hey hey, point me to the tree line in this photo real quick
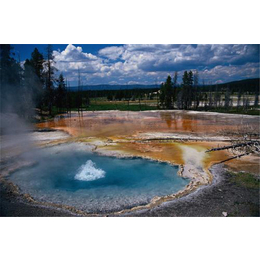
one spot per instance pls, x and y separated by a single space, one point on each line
32 84
35 84
192 95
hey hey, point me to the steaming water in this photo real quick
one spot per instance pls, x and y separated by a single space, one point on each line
89 172
71 174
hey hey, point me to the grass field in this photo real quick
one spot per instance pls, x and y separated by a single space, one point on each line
101 104
98 105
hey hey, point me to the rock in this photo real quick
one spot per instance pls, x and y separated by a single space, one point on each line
224 213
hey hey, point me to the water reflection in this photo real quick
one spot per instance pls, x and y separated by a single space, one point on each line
111 123
167 117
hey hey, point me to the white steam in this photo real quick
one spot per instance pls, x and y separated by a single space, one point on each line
89 172
192 156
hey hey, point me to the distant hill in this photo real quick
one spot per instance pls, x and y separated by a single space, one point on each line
246 85
113 87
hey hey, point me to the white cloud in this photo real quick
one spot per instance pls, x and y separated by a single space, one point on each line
112 53
229 73
150 63
73 59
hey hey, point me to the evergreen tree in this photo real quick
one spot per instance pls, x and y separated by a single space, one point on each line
245 102
256 96
167 93
33 79
110 96
190 77
196 90
61 93
175 79
49 78
187 83
210 98
37 62
180 99
217 97
227 98
29 82
10 81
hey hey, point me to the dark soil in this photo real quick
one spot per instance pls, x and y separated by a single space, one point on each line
228 193
13 205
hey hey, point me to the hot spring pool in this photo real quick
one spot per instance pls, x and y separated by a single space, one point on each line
70 174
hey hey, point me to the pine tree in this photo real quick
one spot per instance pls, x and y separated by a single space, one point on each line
49 78
166 93
217 97
37 61
190 89
210 98
187 83
196 90
175 79
227 98
29 82
256 96
10 81
34 77
61 93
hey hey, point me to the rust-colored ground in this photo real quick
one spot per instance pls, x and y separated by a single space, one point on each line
125 126
117 123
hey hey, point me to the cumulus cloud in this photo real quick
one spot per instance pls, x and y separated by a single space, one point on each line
146 63
72 59
72 53
112 53
218 73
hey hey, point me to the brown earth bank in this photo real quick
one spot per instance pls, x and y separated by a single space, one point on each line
225 195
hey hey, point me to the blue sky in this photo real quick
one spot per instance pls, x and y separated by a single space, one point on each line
25 50
149 63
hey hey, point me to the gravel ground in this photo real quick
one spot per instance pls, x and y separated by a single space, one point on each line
12 205
223 195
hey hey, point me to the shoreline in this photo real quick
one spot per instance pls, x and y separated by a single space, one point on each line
222 195
191 159
14 189
199 179
189 170
222 198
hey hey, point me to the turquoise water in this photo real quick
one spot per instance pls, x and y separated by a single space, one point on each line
70 174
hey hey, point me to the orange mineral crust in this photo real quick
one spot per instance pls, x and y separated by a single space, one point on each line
128 130
117 123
